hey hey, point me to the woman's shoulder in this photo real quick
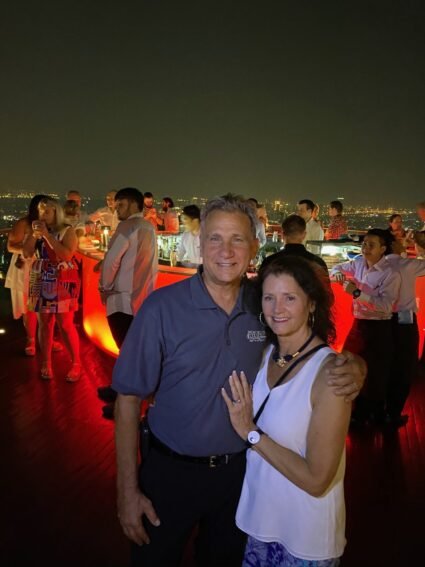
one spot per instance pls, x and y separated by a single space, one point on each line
64 229
320 385
22 224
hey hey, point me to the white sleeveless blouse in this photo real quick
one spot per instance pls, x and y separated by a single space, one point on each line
273 509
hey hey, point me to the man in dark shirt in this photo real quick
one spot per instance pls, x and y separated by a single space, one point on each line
294 231
183 344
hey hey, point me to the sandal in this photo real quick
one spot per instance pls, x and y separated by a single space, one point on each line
30 348
46 371
75 373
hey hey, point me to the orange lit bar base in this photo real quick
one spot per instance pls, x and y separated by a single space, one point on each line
96 324
94 313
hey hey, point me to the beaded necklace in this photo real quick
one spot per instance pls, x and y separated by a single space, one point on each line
282 360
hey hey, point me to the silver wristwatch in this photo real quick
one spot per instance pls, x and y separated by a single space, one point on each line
253 437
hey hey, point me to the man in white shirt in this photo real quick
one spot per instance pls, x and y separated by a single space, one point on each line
314 231
375 287
107 216
260 225
189 249
128 271
405 333
129 268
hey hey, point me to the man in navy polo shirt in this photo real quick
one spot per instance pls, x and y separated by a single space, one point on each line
184 343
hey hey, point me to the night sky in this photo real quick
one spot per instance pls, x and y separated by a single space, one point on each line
273 99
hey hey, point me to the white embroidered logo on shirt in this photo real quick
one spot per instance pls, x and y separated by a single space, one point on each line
256 336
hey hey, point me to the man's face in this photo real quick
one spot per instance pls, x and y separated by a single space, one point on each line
187 222
372 249
332 212
304 212
164 206
227 247
110 199
148 202
74 197
124 208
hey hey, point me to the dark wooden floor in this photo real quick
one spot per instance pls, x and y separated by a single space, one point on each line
57 470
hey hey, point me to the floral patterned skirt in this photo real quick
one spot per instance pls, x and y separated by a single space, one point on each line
262 554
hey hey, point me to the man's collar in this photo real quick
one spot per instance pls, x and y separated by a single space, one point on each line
380 265
201 296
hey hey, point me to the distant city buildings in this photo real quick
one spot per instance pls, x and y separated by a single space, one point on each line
13 205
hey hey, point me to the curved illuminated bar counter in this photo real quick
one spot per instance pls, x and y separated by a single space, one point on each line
94 313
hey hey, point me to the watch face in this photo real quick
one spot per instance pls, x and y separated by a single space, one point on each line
253 437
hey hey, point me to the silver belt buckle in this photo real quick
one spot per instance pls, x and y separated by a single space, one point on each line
213 462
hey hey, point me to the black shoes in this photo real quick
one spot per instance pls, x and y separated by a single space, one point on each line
107 394
108 411
397 420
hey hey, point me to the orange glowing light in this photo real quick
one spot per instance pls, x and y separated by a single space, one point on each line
97 328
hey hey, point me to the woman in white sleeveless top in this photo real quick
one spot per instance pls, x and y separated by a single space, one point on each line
17 277
292 501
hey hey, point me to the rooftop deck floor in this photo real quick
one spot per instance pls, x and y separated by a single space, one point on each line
58 468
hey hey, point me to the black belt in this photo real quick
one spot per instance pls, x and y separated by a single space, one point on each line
212 461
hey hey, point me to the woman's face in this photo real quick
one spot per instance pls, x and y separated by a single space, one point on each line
285 306
47 213
396 224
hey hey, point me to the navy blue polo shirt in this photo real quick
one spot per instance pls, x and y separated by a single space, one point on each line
183 347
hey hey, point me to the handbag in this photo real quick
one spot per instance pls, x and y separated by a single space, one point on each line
19 262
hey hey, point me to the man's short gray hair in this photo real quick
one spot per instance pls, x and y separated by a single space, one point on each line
231 203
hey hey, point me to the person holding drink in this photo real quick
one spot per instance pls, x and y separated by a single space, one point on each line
54 283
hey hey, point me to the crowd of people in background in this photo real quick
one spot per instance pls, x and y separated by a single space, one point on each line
184 222
292 479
